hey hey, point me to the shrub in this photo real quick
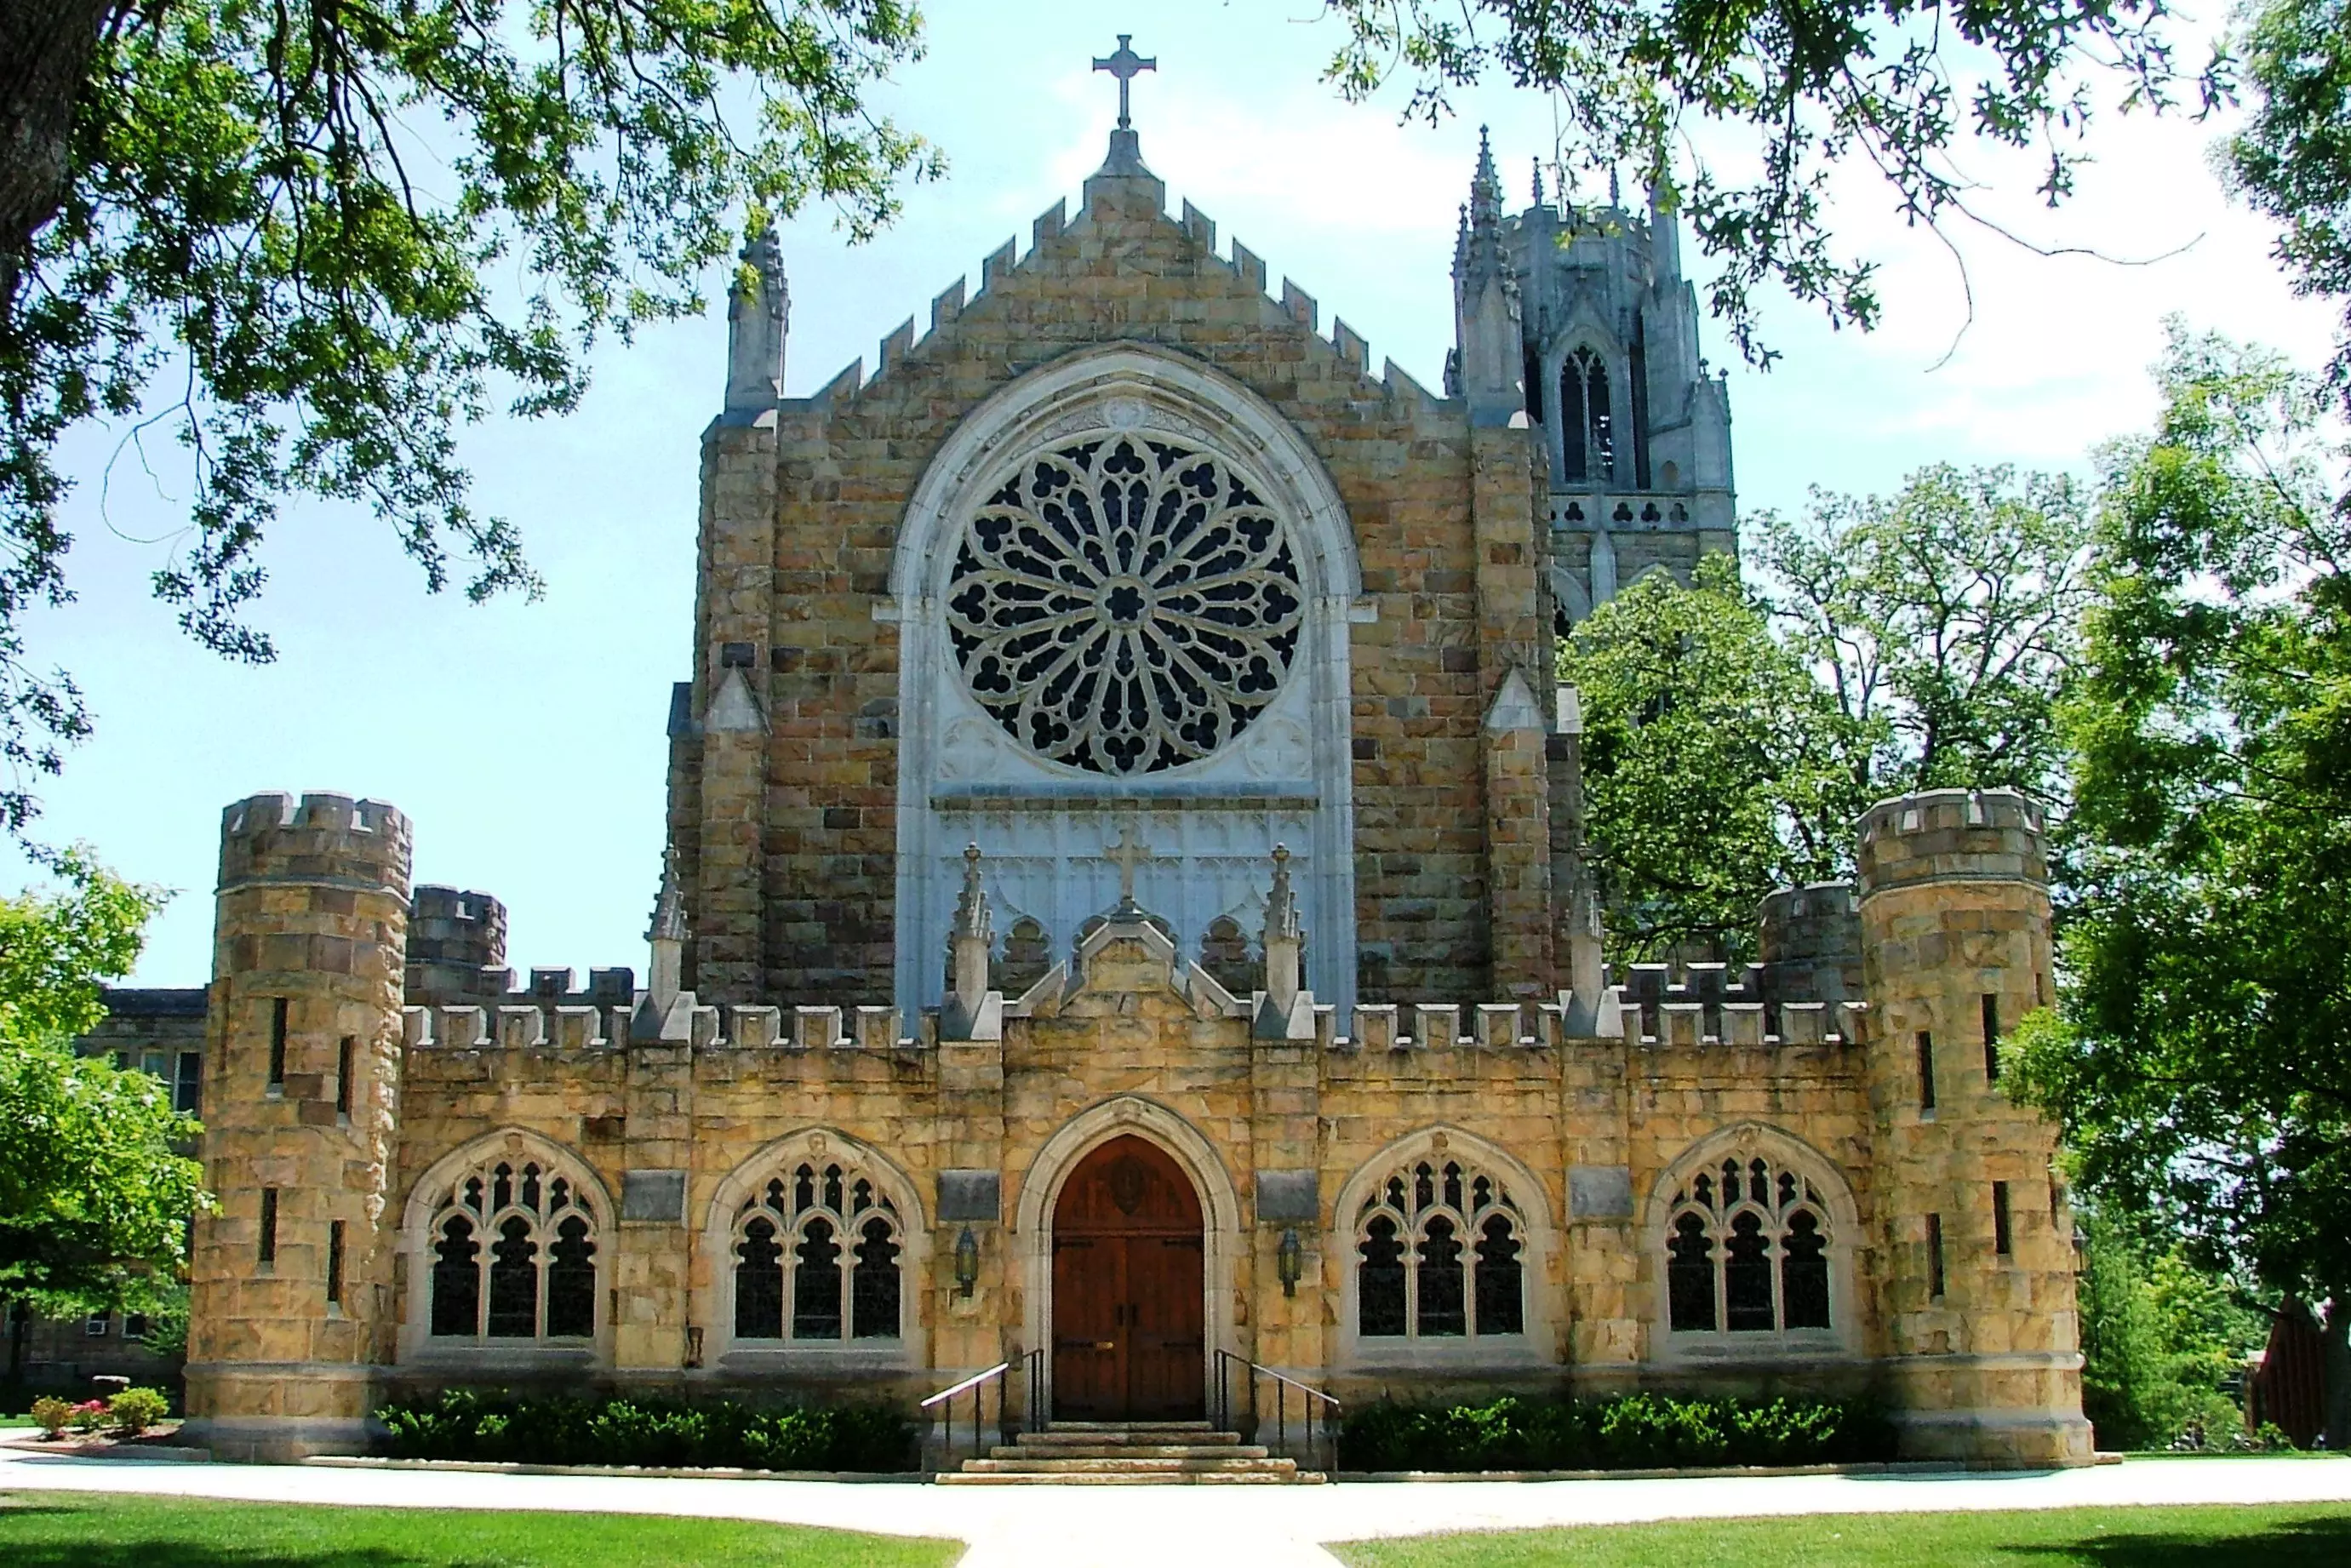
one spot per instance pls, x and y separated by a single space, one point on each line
52 1416
1637 1431
89 1415
134 1410
463 1425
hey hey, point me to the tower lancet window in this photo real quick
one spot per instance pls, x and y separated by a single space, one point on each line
1587 430
1746 1251
816 1258
1440 1248
512 1249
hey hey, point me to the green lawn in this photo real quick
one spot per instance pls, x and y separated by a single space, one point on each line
2299 1535
50 1529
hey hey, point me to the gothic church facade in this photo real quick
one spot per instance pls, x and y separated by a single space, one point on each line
1123 918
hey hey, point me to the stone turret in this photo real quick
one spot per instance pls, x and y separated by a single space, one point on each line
291 1311
1984 1363
456 948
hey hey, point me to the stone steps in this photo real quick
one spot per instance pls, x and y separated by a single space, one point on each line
1136 1453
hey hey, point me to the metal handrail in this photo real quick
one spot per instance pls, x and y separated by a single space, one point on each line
972 1381
1032 1417
1309 1397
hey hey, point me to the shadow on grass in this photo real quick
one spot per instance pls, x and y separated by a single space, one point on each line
2323 1542
187 1546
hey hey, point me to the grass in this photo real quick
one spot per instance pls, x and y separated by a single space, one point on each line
2299 1535
55 1531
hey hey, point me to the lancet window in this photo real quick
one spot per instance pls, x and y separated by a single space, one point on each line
1746 1251
514 1254
1441 1248
816 1258
1587 431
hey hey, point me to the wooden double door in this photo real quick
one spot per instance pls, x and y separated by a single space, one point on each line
1127 1342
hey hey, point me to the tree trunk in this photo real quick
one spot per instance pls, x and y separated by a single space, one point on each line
46 50
2337 1337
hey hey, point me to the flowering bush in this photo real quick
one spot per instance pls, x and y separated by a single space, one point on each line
52 1416
89 1415
134 1410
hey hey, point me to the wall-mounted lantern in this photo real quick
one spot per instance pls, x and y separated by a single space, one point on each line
1290 1261
966 1259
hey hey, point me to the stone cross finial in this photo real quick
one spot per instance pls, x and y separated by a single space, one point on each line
1125 65
1127 853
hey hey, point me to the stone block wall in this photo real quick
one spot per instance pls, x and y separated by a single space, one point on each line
783 823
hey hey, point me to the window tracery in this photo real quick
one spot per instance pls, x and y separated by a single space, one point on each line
1587 431
1746 1251
1124 604
1440 1248
824 1239
513 1248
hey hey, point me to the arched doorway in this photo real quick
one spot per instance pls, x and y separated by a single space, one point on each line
1127 1289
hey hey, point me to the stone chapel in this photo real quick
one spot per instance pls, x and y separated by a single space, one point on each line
1124 919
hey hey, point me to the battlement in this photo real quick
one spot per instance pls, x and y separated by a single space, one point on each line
322 838
1952 835
457 946
903 342
1810 941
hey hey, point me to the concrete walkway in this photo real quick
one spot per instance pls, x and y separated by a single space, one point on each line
1238 1527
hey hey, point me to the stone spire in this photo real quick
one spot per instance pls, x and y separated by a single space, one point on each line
666 936
758 313
972 1012
1488 349
1278 1014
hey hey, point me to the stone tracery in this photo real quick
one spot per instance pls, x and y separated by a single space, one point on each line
1124 604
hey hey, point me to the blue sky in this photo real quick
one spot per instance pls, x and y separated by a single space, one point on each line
525 740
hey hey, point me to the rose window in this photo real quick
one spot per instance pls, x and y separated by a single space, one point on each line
1124 604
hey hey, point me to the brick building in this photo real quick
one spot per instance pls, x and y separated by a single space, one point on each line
1123 908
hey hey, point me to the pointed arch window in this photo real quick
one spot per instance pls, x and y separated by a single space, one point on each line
1586 428
1746 1251
512 1249
1440 1247
817 1255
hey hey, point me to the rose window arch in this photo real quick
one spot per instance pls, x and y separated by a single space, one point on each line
1124 604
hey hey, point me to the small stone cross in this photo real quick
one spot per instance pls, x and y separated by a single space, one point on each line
1125 65
1128 853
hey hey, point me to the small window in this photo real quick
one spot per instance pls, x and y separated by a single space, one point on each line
335 1262
2003 1239
134 1325
1991 1038
1935 1256
277 1042
187 1093
156 1064
266 1251
344 1055
1926 1071
94 1325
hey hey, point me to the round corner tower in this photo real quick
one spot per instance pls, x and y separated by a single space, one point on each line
1979 1303
290 1309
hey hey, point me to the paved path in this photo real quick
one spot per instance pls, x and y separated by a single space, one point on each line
1237 1527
